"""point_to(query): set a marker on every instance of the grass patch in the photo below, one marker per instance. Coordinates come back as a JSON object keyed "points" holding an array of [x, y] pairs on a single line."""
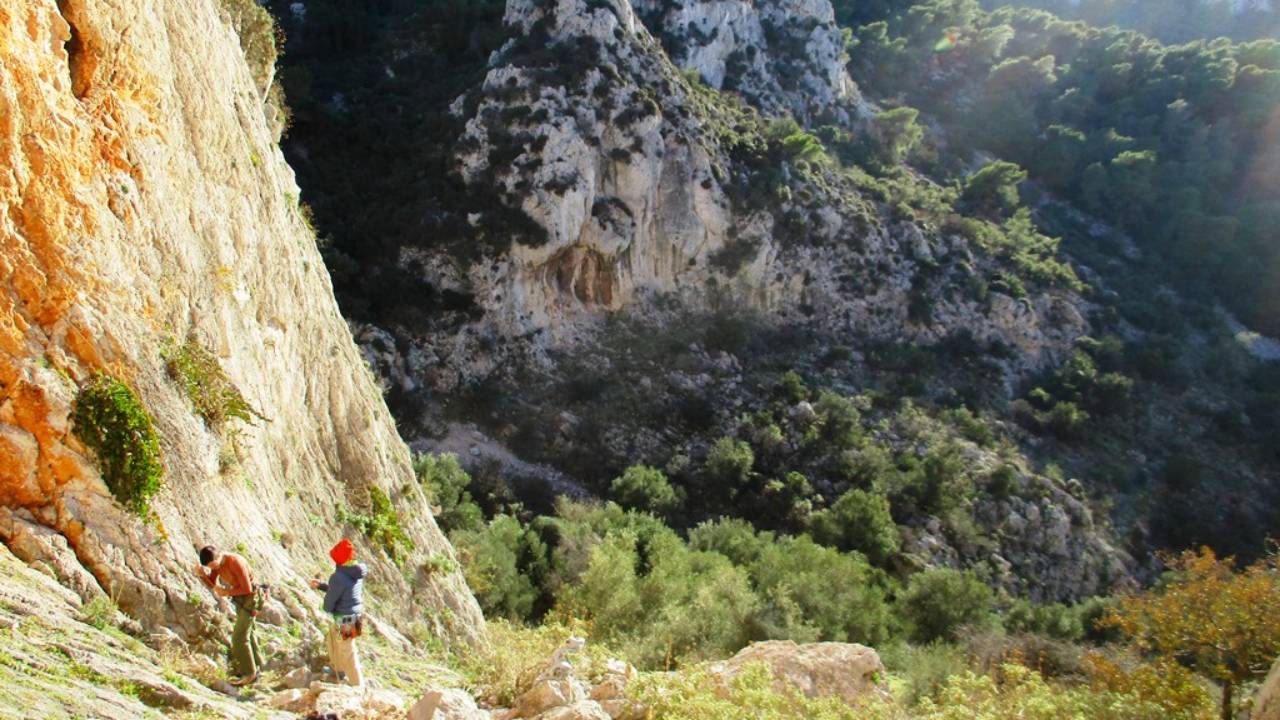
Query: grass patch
{"points": [[100, 612], [112, 421]]}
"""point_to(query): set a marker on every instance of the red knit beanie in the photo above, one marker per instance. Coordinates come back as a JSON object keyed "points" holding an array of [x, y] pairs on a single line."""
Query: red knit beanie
{"points": [[343, 552]]}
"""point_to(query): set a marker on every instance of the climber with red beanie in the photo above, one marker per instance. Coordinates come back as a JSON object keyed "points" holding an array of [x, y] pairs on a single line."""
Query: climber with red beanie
{"points": [[344, 600]]}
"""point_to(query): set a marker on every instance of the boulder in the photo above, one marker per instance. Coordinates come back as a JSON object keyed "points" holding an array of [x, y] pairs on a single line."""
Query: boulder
{"points": [[848, 671], [581, 710], [297, 678], [548, 694], [446, 704], [358, 703], [342, 701], [292, 700]]}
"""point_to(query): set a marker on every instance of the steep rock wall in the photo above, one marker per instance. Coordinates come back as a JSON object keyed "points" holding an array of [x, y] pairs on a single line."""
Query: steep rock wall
{"points": [[782, 55], [143, 201], [633, 172]]}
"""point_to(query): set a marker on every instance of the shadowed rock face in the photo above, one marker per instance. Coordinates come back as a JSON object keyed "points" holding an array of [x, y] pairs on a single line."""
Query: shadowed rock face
{"points": [[143, 201]]}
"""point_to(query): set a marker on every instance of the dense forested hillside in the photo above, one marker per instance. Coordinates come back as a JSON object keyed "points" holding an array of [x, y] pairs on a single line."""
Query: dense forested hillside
{"points": [[1170, 21]]}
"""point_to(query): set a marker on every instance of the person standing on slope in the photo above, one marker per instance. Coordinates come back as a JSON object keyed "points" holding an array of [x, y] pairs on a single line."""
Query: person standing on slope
{"points": [[237, 584], [344, 600]]}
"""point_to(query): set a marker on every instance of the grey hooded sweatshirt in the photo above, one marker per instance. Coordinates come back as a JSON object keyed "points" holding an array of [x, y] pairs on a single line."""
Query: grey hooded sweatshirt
{"points": [[344, 593]]}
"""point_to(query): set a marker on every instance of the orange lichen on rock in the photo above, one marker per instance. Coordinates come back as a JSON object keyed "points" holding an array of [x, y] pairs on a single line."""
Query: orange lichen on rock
{"points": [[53, 150]]}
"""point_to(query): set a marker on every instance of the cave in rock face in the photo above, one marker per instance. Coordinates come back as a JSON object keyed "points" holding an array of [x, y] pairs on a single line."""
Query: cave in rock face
{"points": [[583, 274]]}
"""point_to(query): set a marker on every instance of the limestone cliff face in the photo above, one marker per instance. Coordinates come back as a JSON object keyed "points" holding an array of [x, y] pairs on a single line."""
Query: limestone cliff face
{"points": [[142, 201], [635, 173], [784, 56]]}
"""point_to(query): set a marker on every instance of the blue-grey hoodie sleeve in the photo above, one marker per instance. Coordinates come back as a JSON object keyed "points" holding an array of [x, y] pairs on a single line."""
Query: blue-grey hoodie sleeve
{"points": [[333, 595]]}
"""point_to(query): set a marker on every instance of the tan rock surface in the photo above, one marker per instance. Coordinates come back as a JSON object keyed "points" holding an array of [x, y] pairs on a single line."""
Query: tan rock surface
{"points": [[142, 199], [447, 704], [848, 671]]}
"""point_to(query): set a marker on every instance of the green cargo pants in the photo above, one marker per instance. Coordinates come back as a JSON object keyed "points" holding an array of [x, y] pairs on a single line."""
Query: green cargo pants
{"points": [[246, 658]]}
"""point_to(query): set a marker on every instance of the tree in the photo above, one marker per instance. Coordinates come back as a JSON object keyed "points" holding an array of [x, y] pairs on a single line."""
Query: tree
{"points": [[994, 188], [729, 463], [859, 521], [500, 562], [446, 483], [1220, 622], [938, 602], [898, 132], [645, 488]]}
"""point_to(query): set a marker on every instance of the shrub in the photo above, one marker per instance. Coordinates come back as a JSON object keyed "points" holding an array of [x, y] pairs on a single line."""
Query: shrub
{"points": [[791, 388], [499, 561], [446, 484], [840, 421], [696, 694], [1054, 620], [729, 463], [812, 592], [506, 666], [923, 669], [1067, 421], [734, 538], [99, 612], [898, 133], [994, 188], [204, 382], [112, 421], [666, 603], [257, 31], [645, 488], [938, 602], [381, 525], [860, 521]]}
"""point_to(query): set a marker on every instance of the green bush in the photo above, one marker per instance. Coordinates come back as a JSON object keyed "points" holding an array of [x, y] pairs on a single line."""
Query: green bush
{"points": [[938, 603], [810, 592], [859, 521], [381, 525], [898, 134], [840, 421], [257, 31], [729, 463], [110, 419], [994, 189], [666, 603], [501, 561], [645, 488], [734, 538], [1066, 420], [923, 669], [204, 382], [446, 484]]}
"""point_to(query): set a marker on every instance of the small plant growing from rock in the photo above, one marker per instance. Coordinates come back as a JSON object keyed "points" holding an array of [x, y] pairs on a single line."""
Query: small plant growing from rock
{"points": [[111, 420], [99, 612], [205, 383], [381, 525], [437, 563]]}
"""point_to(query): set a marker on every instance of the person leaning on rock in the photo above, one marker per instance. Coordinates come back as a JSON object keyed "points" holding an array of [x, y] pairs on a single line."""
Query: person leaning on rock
{"points": [[237, 584], [344, 600]]}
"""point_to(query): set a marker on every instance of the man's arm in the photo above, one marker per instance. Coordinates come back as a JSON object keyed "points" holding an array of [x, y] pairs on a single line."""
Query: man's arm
{"points": [[208, 577]]}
